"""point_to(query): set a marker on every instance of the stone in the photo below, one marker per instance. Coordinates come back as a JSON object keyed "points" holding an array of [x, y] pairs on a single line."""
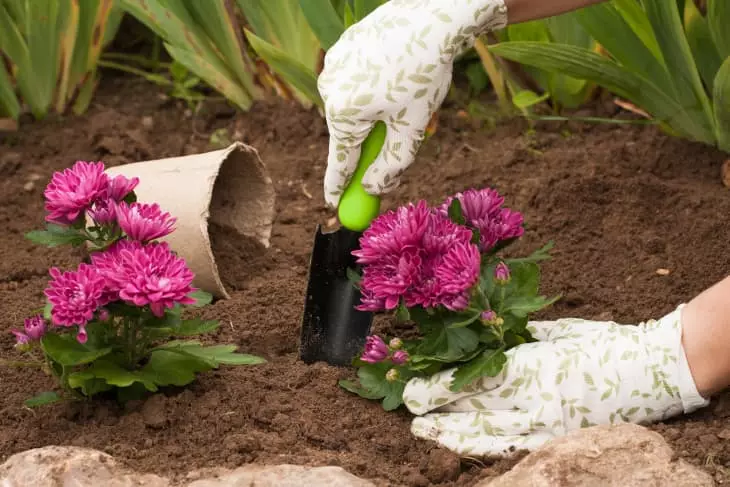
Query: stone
{"points": [[282, 476], [56, 466], [68, 466], [626, 455]]}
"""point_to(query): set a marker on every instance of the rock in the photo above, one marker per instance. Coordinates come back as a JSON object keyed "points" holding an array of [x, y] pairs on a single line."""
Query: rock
{"points": [[68, 466], [56, 466], [724, 434], [282, 476], [441, 466], [620, 456], [154, 411]]}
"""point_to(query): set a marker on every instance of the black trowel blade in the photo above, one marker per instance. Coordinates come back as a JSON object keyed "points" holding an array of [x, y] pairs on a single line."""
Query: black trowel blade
{"points": [[333, 331]]}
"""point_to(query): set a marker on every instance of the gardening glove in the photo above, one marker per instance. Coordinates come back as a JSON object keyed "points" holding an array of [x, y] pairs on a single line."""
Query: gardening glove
{"points": [[394, 66], [580, 373]]}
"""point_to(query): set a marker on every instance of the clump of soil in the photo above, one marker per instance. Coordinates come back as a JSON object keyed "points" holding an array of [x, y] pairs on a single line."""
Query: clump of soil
{"points": [[620, 203]]}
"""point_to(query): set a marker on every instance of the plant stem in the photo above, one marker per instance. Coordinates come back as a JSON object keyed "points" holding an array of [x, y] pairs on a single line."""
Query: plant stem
{"points": [[20, 363]]}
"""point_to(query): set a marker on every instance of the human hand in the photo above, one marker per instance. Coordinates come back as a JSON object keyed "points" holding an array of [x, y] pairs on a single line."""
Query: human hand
{"points": [[579, 373], [395, 65]]}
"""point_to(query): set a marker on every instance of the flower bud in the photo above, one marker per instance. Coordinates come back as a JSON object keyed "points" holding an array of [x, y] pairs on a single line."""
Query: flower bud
{"points": [[375, 350], [490, 318], [395, 344], [35, 327], [501, 273], [392, 375], [400, 357]]}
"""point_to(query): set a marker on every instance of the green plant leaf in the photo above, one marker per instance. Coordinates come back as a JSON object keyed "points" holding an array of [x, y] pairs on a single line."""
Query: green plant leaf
{"points": [[721, 95], [524, 99], [582, 63], [55, 235], [489, 363], [718, 17], [9, 104], [67, 351], [42, 399], [445, 344], [110, 373], [201, 298], [324, 20], [700, 42], [213, 355], [521, 306], [456, 213], [631, 41], [167, 368], [294, 72], [690, 93]]}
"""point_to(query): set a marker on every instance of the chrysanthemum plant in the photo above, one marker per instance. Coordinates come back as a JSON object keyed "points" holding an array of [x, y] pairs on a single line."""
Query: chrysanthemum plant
{"points": [[441, 269], [108, 325]]}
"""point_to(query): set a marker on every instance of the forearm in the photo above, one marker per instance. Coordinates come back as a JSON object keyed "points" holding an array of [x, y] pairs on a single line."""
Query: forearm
{"points": [[526, 10], [706, 338]]}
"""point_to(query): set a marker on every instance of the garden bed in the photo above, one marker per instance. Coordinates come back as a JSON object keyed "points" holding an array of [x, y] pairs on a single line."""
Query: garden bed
{"points": [[624, 205]]}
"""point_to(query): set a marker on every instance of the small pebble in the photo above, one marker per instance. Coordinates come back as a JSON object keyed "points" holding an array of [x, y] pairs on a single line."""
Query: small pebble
{"points": [[663, 272]]}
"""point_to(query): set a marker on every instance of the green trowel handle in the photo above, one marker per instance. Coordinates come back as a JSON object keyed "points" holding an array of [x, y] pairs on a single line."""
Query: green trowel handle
{"points": [[357, 207]]}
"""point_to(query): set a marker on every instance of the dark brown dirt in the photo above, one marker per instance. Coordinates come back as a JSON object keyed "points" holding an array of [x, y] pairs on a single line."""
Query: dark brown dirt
{"points": [[619, 202]]}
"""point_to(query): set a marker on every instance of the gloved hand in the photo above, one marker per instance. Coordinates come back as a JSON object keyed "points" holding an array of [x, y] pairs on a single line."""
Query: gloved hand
{"points": [[395, 65], [580, 373]]}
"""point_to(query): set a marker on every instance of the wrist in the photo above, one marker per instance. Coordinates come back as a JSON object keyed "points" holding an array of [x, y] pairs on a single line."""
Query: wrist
{"points": [[481, 16]]}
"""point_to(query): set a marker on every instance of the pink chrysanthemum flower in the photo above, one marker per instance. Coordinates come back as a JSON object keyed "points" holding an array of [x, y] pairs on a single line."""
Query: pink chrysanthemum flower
{"points": [[149, 275], [75, 295], [418, 256], [103, 211], [393, 231], [120, 187], [107, 262], [501, 273], [482, 209], [72, 190], [144, 222], [375, 350], [400, 357]]}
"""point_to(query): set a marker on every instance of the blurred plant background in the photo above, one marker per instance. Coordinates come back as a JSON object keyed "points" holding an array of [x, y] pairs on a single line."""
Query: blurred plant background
{"points": [[663, 61]]}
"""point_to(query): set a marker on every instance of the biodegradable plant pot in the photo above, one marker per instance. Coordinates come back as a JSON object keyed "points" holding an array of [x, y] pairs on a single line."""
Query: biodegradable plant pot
{"points": [[230, 187]]}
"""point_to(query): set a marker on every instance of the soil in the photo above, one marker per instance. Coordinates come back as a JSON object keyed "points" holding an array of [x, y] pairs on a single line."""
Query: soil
{"points": [[639, 221]]}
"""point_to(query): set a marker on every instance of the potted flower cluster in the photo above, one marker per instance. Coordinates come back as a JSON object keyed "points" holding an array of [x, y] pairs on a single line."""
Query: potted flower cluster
{"points": [[440, 268], [108, 324]]}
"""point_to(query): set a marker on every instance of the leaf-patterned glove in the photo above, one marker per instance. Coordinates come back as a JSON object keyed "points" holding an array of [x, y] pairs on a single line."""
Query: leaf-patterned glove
{"points": [[580, 373], [395, 65]]}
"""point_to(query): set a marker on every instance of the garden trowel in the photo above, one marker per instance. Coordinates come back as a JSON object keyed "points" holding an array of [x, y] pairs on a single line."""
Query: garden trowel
{"points": [[333, 331]]}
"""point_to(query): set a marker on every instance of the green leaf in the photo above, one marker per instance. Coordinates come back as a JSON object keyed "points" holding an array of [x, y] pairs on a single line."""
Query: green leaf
{"points": [[323, 20], [42, 399], [721, 95], [448, 344], [166, 368], [353, 277], [201, 298], [359, 390], [67, 351], [111, 373], [401, 313], [47, 309], [394, 398], [521, 306], [524, 99], [456, 214], [585, 64], [55, 235], [690, 93], [700, 42], [718, 17], [213, 355], [302, 78], [540, 254], [489, 363], [630, 41]]}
